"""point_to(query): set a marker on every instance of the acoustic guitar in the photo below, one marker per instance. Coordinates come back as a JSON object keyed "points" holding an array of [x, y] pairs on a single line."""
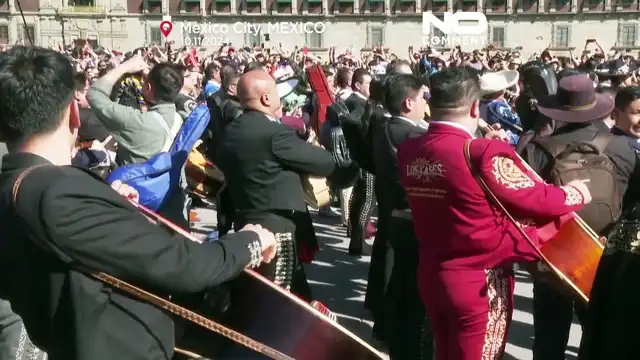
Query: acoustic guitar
{"points": [[284, 325], [571, 249]]}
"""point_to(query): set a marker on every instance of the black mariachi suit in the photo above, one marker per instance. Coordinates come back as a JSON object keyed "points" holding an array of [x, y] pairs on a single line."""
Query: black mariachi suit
{"points": [[381, 254], [262, 161], [224, 109], [553, 310], [362, 198], [611, 330], [405, 325], [72, 316]]}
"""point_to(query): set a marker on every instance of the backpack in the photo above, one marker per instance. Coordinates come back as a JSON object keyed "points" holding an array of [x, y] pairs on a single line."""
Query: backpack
{"points": [[586, 160], [157, 177]]}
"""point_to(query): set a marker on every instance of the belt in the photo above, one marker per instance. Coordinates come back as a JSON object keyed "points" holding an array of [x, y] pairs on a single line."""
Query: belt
{"points": [[402, 214]]}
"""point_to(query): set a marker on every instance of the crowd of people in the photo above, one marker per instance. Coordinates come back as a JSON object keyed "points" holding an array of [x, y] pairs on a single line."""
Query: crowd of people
{"points": [[446, 149]]}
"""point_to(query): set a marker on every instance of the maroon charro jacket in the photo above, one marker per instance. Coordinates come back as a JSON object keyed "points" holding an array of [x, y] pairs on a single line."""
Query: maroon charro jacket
{"points": [[467, 245], [458, 227]]}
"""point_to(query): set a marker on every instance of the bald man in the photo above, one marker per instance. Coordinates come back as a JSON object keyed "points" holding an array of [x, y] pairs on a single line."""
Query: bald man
{"points": [[262, 161]]}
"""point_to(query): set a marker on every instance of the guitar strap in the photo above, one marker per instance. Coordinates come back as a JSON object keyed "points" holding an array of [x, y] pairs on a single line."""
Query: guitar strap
{"points": [[495, 200], [48, 246]]}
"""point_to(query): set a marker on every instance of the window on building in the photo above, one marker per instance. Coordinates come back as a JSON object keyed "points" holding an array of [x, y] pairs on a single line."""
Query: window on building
{"points": [[628, 35], [81, 2], [253, 38], [497, 37], [4, 34], [528, 4], [315, 40], [28, 34], [561, 37], [155, 36], [377, 36]]}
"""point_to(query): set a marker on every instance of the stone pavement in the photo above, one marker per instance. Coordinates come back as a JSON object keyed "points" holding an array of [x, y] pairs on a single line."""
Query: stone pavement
{"points": [[339, 281]]}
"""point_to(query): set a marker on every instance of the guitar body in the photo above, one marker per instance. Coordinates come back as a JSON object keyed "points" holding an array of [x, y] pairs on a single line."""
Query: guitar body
{"points": [[203, 177], [573, 254], [268, 314], [324, 96]]}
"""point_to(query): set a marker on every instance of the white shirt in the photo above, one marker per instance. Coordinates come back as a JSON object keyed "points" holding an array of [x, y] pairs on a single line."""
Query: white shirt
{"points": [[423, 124], [456, 125]]}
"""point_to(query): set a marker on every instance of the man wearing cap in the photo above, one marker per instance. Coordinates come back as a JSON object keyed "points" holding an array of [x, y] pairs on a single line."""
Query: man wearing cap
{"points": [[577, 112], [494, 108], [467, 246]]}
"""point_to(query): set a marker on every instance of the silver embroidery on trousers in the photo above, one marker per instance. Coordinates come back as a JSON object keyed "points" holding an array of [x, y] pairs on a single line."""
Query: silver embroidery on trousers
{"points": [[21, 342], [360, 209], [285, 260], [26, 350]]}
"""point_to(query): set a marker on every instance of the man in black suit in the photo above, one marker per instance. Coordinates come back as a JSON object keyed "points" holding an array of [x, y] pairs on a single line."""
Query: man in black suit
{"points": [[263, 161], [362, 197], [57, 218], [404, 323], [224, 107], [357, 101], [375, 119]]}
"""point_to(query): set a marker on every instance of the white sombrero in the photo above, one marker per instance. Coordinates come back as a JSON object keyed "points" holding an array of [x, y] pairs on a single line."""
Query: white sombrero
{"points": [[494, 82], [286, 85]]}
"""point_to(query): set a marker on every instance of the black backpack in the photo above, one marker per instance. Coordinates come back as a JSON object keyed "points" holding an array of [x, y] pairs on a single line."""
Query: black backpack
{"points": [[586, 160]]}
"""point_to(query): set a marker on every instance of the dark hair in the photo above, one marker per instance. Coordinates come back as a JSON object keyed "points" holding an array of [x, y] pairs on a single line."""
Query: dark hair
{"points": [[626, 96], [166, 80], [209, 71], [254, 65], [376, 90], [396, 67], [343, 77], [227, 70], [358, 77], [397, 89], [80, 80], [228, 79], [36, 86], [568, 72], [454, 87]]}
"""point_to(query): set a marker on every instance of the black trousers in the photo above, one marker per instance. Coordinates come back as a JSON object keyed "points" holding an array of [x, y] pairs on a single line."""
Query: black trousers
{"points": [[360, 209], [285, 269], [407, 328], [225, 212], [552, 318]]}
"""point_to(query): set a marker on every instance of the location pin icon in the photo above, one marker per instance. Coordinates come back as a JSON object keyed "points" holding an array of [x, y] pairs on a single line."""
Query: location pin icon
{"points": [[165, 28]]}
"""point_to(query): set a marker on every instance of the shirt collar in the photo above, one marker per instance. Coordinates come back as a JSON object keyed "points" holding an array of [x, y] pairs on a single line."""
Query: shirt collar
{"points": [[456, 125], [423, 124], [360, 95], [22, 160]]}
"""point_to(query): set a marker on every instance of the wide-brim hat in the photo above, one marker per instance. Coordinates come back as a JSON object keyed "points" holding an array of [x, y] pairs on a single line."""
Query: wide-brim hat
{"points": [[616, 68], [517, 61], [576, 101], [286, 85], [494, 82]]}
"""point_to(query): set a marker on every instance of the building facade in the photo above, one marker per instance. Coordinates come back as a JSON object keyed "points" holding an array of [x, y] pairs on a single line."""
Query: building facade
{"points": [[318, 24]]}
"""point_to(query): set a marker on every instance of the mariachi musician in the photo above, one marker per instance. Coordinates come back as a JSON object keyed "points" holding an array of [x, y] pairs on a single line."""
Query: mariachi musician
{"points": [[375, 118], [57, 219], [224, 107], [263, 161], [363, 199], [467, 245], [408, 333]]}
